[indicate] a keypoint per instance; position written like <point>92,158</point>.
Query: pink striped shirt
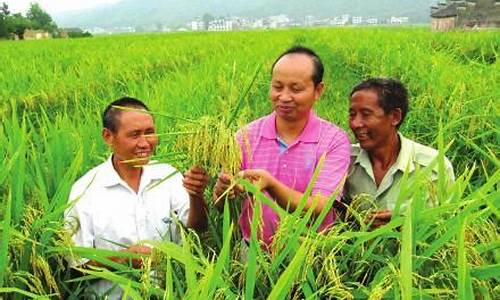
<point>293,166</point>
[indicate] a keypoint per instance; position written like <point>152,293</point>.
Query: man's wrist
<point>196,198</point>
<point>272,184</point>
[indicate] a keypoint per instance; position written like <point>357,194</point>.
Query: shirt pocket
<point>160,221</point>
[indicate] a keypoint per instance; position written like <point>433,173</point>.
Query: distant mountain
<point>178,12</point>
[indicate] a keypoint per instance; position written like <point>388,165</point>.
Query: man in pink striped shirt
<point>281,150</point>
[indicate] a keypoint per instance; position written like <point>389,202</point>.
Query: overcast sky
<point>54,6</point>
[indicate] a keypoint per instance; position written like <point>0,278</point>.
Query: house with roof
<point>454,14</point>
<point>30,34</point>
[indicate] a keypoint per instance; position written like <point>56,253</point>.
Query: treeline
<point>15,25</point>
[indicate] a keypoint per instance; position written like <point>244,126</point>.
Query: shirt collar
<point>109,177</point>
<point>310,134</point>
<point>403,162</point>
<point>406,155</point>
<point>362,158</point>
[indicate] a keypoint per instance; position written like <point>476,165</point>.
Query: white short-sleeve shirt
<point>106,210</point>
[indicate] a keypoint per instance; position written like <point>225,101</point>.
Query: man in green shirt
<point>378,106</point>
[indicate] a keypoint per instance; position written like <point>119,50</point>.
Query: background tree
<point>4,15</point>
<point>40,19</point>
<point>17,24</point>
<point>4,9</point>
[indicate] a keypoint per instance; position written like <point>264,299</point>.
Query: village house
<point>30,34</point>
<point>454,14</point>
<point>67,32</point>
<point>221,25</point>
<point>357,20</point>
<point>196,25</point>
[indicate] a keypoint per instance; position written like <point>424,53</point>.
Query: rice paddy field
<point>52,93</point>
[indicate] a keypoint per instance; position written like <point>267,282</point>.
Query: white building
<point>340,21</point>
<point>398,20</point>
<point>258,24</point>
<point>357,20</point>
<point>309,20</point>
<point>220,25</point>
<point>372,21</point>
<point>278,21</point>
<point>196,25</point>
<point>239,23</point>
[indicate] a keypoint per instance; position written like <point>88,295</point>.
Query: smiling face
<point>134,137</point>
<point>371,125</point>
<point>292,91</point>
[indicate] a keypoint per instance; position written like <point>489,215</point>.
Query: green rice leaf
<point>4,243</point>
<point>285,281</point>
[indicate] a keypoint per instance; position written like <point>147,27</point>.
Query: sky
<point>54,6</point>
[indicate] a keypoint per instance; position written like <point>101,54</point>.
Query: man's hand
<point>259,177</point>
<point>378,218</point>
<point>141,250</point>
<point>224,182</point>
<point>195,181</point>
<point>284,196</point>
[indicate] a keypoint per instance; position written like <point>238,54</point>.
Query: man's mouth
<point>284,108</point>
<point>142,154</point>
<point>362,136</point>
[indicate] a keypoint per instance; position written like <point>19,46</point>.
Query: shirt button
<point>284,165</point>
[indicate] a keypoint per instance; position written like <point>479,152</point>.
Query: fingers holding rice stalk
<point>212,146</point>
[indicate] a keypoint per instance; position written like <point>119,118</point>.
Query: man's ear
<point>318,90</point>
<point>107,136</point>
<point>397,116</point>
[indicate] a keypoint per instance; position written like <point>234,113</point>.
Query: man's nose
<point>143,141</point>
<point>285,95</point>
<point>355,122</point>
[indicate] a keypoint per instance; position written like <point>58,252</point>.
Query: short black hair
<point>391,94</point>
<point>111,114</point>
<point>318,68</point>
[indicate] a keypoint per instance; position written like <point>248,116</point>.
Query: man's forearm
<point>197,218</point>
<point>136,263</point>
<point>290,198</point>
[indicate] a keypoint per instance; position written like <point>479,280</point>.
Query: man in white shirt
<point>127,199</point>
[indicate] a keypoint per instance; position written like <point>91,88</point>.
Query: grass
<point>51,96</point>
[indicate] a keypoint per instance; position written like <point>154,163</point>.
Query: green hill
<point>175,12</point>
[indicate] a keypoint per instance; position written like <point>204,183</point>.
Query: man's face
<point>135,137</point>
<point>292,89</point>
<point>371,125</point>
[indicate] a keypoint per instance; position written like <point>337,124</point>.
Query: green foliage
<point>4,14</point>
<point>51,96</point>
<point>79,34</point>
<point>40,19</point>
<point>36,18</point>
<point>17,24</point>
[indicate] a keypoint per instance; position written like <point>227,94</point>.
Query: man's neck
<point>385,156</point>
<point>290,131</point>
<point>130,174</point>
